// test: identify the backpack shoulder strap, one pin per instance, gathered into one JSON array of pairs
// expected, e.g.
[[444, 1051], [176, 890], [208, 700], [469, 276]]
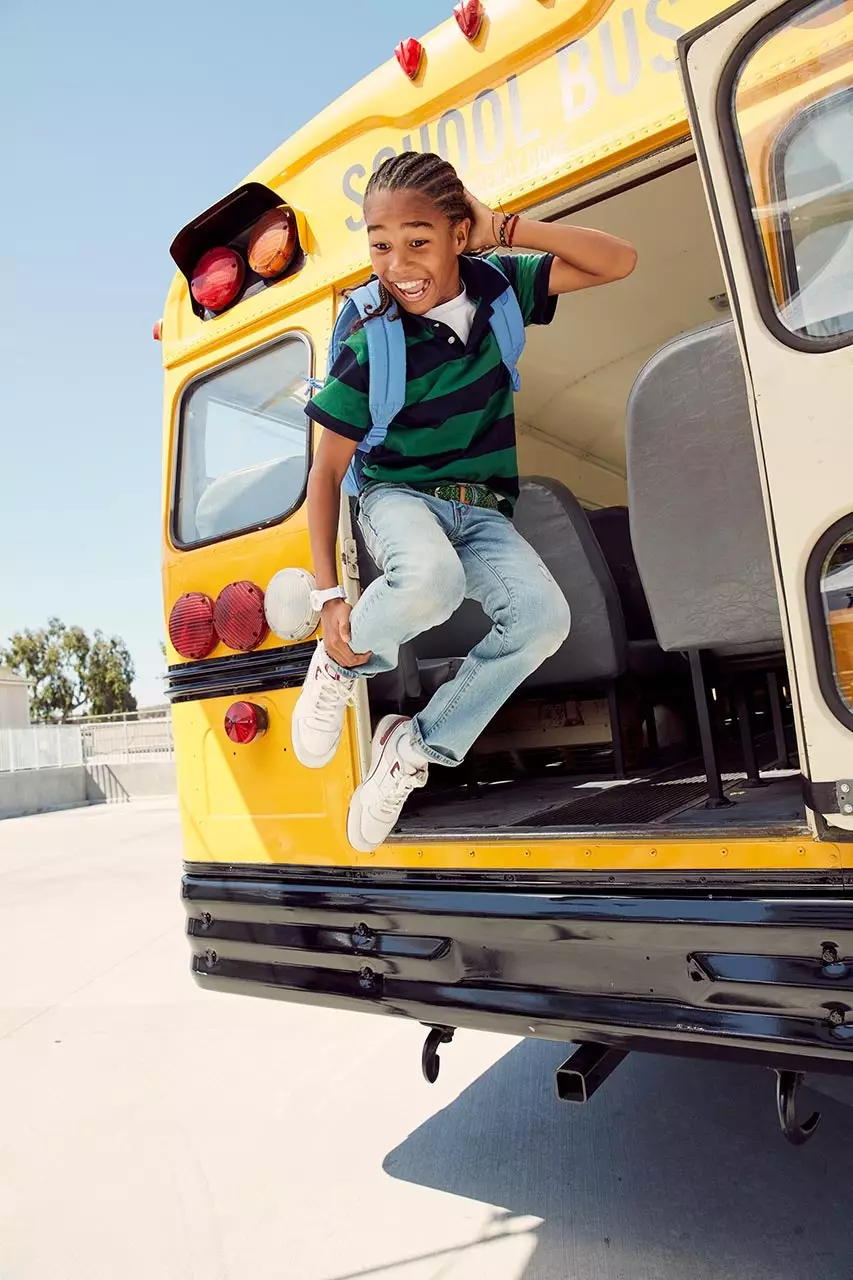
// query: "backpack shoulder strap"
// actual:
[[386, 363], [507, 324]]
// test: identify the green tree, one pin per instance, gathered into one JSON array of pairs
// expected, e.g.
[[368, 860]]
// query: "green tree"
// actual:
[[70, 672]]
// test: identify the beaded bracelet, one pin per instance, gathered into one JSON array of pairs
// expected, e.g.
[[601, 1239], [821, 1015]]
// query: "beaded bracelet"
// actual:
[[506, 230]]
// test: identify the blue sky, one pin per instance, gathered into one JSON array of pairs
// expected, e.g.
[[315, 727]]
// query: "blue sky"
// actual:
[[119, 124]]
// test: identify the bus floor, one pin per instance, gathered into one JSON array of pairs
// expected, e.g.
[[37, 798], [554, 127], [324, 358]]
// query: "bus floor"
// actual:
[[672, 798]]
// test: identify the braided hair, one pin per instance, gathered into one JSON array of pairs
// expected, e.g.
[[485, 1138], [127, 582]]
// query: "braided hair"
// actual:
[[434, 178]]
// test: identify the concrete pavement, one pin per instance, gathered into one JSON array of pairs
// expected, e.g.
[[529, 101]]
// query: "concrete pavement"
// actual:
[[151, 1131]]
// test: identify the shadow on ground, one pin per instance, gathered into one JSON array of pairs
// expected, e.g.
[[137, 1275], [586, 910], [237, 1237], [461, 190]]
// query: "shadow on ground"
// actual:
[[675, 1170]]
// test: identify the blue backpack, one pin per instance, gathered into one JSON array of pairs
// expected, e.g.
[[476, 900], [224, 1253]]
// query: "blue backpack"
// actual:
[[386, 356]]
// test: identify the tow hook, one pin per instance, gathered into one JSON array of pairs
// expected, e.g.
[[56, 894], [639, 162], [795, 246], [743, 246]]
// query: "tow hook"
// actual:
[[787, 1086], [430, 1061]]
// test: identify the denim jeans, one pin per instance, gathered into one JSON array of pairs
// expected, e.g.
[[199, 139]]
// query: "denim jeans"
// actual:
[[433, 554]]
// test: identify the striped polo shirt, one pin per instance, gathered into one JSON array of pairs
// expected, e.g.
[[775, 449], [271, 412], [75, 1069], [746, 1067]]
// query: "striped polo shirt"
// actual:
[[457, 423]]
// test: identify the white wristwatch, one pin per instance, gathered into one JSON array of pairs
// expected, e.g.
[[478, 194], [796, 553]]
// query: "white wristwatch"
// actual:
[[319, 598]]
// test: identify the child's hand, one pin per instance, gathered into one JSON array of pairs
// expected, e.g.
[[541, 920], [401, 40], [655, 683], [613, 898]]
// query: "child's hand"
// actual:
[[483, 229], [336, 634]]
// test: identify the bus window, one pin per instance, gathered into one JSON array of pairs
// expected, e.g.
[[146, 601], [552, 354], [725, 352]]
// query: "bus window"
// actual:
[[799, 165], [814, 178], [243, 444], [829, 583]]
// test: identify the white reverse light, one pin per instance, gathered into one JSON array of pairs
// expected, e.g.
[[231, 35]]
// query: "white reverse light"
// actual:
[[287, 604]]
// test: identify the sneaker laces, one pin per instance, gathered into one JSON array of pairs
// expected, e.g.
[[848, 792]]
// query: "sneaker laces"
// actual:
[[397, 789], [334, 694]]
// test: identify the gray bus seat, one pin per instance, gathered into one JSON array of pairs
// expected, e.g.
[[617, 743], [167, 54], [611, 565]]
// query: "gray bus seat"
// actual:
[[611, 526], [595, 651], [697, 514], [698, 524], [646, 659]]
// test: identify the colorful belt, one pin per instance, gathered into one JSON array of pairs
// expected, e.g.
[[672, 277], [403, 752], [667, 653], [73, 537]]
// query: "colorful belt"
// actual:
[[473, 495]]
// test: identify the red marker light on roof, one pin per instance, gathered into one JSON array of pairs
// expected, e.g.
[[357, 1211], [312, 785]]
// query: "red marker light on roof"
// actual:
[[191, 628], [272, 243], [469, 14], [409, 53], [245, 721], [239, 617], [217, 278], [157, 331]]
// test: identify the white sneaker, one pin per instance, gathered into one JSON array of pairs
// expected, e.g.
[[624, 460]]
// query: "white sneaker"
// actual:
[[396, 768], [318, 717]]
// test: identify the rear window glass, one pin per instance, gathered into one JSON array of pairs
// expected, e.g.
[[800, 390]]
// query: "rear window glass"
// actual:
[[244, 444], [815, 182], [793, 118], [836, 590]]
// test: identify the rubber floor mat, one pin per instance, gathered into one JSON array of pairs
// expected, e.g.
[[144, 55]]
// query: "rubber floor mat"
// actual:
[[631, 805]]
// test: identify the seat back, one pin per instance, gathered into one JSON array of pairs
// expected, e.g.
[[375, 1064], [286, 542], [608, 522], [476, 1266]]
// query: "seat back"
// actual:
[[554, 523], [697, 513], [611, 527]]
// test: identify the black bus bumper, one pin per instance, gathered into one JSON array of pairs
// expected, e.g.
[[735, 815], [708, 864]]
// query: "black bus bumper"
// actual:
[[766, 978]]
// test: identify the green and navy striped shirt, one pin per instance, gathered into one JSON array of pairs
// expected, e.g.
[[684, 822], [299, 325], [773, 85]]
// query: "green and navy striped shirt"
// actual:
[[457, 424]]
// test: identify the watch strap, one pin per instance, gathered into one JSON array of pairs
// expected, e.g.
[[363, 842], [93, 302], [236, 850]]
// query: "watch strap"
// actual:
[[319, 598]]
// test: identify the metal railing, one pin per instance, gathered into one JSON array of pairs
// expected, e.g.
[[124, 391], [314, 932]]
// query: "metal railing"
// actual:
[[48, 746], [121, 740]]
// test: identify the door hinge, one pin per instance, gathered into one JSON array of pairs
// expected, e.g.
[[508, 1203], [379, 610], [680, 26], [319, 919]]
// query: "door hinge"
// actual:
[[830, 798], [350, 558], [844, 796]]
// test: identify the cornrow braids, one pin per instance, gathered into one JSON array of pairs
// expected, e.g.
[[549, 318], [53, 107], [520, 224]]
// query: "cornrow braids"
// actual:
[[434, 178]]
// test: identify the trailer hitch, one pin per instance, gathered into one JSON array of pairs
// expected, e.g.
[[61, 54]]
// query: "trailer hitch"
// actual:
[[586, 1070], [787, 1087], [430, 1061]]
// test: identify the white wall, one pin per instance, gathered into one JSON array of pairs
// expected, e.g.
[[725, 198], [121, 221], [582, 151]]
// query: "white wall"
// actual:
[[14, 700]]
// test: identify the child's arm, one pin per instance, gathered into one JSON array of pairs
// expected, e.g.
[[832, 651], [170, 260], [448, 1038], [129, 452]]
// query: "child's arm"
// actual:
[[582, 257], [333, 456]]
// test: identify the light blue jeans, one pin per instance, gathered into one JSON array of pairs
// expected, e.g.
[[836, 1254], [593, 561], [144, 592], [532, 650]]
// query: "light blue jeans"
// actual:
[[433, 554]]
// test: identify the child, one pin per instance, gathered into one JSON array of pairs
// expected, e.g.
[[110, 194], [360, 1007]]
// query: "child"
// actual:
[[436, 507]]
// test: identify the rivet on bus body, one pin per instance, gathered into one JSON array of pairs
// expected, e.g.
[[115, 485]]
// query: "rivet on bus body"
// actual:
[[653, 853], [724, 853], [527, 853], [587, 853]]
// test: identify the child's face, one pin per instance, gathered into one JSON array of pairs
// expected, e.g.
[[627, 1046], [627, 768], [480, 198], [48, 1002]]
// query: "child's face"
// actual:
[[414, 249]]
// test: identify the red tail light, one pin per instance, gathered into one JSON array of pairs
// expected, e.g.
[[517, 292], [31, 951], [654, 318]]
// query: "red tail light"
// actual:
[[191, 627], [239, 618], [273, 243], [217, 278], [409, 54], [245, 721], [469, 14]]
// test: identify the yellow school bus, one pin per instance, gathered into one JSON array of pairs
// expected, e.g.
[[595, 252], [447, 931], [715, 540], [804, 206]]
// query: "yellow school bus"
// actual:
[[649, 847]]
